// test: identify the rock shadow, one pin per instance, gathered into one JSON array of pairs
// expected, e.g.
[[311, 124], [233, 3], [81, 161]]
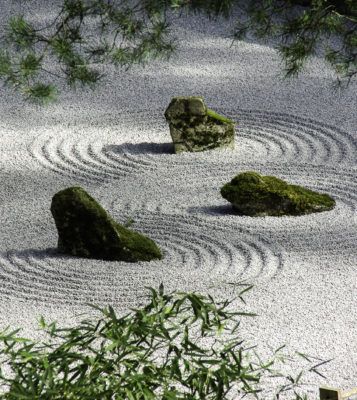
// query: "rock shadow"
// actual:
[[52, 253], [39, 254], [144, 148], [215, 210]]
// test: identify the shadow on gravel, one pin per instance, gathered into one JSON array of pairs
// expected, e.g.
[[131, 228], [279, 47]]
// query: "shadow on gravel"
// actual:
[[38, 254], [214, 210], [140, 148]]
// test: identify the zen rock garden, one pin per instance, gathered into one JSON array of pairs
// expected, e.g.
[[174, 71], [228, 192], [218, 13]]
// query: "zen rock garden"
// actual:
[[86, 230]]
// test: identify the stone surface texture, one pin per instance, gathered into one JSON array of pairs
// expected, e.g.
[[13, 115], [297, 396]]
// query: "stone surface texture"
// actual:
[[194, 127], [86, 230], [255, 195]]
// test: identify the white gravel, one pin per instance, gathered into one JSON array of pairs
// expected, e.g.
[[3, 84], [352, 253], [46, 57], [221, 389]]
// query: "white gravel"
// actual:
[[115, 143]]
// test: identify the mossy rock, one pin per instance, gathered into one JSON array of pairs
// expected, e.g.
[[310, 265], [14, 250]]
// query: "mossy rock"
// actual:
[[214, 117], [194, 127], [86, 230], [182, 107], [255, 195]]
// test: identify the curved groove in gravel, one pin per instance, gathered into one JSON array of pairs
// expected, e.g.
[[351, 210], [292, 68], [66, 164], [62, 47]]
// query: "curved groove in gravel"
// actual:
[[193, 254], [195, 192], [275, 137]]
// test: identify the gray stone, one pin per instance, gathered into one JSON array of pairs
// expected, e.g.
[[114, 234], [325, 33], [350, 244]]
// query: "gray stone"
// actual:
[[194, 127], [86, 230]]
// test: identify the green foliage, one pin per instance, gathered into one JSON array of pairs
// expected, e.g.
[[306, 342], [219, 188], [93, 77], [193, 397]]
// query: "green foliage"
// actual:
[[175, 347], [127, 35], [40, 92], [82, 73], [131, 34], [20, 32], [5, 64], [29, 65], [74, 8], [301, 26], [62, 47], [211, 7]]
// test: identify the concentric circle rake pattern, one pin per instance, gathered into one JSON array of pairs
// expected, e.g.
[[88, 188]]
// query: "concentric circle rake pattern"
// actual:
[[195, 253], [50, 277], [288, 137], [141, 141], [199, 191], [340, 183]]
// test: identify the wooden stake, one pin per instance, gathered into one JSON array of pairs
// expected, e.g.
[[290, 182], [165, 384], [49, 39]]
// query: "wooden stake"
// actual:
[[336, 394]]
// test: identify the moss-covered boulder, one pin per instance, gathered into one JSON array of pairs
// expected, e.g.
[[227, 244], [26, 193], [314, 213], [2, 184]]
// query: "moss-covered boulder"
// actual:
[[194, 127], [86, 230], [255, 195]]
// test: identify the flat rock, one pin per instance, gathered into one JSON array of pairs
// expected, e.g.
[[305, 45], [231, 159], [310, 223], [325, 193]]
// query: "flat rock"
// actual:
[[86, 230], [255, 195], [194, 127]]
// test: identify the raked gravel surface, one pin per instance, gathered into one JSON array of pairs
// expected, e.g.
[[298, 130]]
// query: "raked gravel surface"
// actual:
[[115, 143]]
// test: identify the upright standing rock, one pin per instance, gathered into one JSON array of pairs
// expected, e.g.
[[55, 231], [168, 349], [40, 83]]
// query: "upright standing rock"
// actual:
[[86, 230], [194, 127]]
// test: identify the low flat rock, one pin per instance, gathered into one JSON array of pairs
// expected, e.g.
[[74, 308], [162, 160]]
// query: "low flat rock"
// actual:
[[194, 127], [255, 195], [86, 230]]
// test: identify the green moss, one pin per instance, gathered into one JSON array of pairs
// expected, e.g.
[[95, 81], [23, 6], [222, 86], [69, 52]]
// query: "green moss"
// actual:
[[255, 195], [86, 230], [218, 117], [139, 247]]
